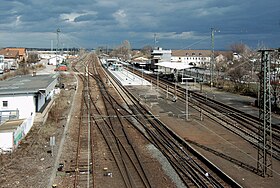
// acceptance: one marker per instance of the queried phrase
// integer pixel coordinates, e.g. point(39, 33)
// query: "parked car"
point(1, 71)
point(61, 68)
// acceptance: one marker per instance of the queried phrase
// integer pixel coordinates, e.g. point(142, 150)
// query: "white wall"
point(199, 61)
point(47, 56)
point(10, 139)
point(24, 103)
point(6, 141)
point(56, 60)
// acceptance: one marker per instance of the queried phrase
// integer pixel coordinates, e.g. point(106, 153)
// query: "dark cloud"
point(178, 23)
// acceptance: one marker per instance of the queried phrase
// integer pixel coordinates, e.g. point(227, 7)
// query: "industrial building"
point(20, 98)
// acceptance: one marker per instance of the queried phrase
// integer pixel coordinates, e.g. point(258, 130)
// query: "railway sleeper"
point(83, 170)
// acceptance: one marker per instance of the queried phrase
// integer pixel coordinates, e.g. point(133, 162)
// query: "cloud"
point(177, 23)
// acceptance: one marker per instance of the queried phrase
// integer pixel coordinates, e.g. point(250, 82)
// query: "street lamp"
point(142, 66)
point(157, 78)
point(187, 98)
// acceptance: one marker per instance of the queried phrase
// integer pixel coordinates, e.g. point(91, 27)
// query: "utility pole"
point(57, 46)
point(212, 57)
point(155, 40)
point(57, 35)
point(264, 164)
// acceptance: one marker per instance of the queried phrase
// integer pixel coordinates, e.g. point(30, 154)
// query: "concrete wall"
point(10, 139)
point(6, 141)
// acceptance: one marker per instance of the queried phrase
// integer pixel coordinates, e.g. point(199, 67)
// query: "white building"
point(56, 60)
point(21, 97)
point(198, 58)
point(160, 55)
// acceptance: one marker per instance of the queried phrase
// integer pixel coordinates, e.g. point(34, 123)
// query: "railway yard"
point(117, 130)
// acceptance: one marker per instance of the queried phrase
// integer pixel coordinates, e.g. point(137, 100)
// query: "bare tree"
point(32, 58)
point(123, 51)
point(146, 50)
point(243, 69)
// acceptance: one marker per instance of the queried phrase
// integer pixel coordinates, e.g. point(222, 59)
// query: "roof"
point(172, 65)
point(57, 57)
point(140, 59)
point(11, 125)
point(188, 53)
point(21, 51)
point(26, 84)
point(9, 54)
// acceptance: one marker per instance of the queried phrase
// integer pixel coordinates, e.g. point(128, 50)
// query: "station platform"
point(240, 102)
point(126, 78)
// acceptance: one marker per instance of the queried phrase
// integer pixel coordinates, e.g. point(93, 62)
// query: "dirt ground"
point(30, 165)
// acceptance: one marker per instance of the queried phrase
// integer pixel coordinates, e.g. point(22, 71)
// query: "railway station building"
point(21, 98)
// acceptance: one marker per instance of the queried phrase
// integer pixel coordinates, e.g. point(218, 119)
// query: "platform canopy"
point(140, 59)
point(174, 65)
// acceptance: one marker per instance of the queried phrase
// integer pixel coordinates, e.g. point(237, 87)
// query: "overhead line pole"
point(264, 164)
point(57, 45)
point(212, 58)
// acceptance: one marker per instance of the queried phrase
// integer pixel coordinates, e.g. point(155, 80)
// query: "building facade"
point(197, 58)
point(159, 55)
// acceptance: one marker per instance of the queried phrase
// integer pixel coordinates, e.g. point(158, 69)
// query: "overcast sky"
point(178, 24)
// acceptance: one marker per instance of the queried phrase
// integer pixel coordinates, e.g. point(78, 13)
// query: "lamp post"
point(187, 98)
point(157, 79)
point(142, 73)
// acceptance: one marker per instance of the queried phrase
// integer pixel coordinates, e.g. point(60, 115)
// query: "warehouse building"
point(20, 98)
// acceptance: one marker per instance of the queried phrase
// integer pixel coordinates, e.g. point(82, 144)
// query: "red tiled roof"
point(21, 51)
point(10, 54)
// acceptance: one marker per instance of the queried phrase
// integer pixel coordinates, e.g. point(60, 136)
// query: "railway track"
point(112, 113)
point(82, 168)
point(112, 127)
point(193, 170)
point(242, 124)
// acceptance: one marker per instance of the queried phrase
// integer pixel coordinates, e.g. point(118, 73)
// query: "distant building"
point(11, 57)
point(55, 60)
point(21, 97)
point(197, 58)
point(159, 55)
point(10, 53)
point(22, 53)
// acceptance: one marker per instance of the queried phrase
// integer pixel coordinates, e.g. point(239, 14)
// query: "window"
point(5, 103)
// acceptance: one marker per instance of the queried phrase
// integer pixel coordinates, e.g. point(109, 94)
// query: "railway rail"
point(112, 127)
point(117, 112)
point(191, 169)
point(242, 124)
point(82, 169)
